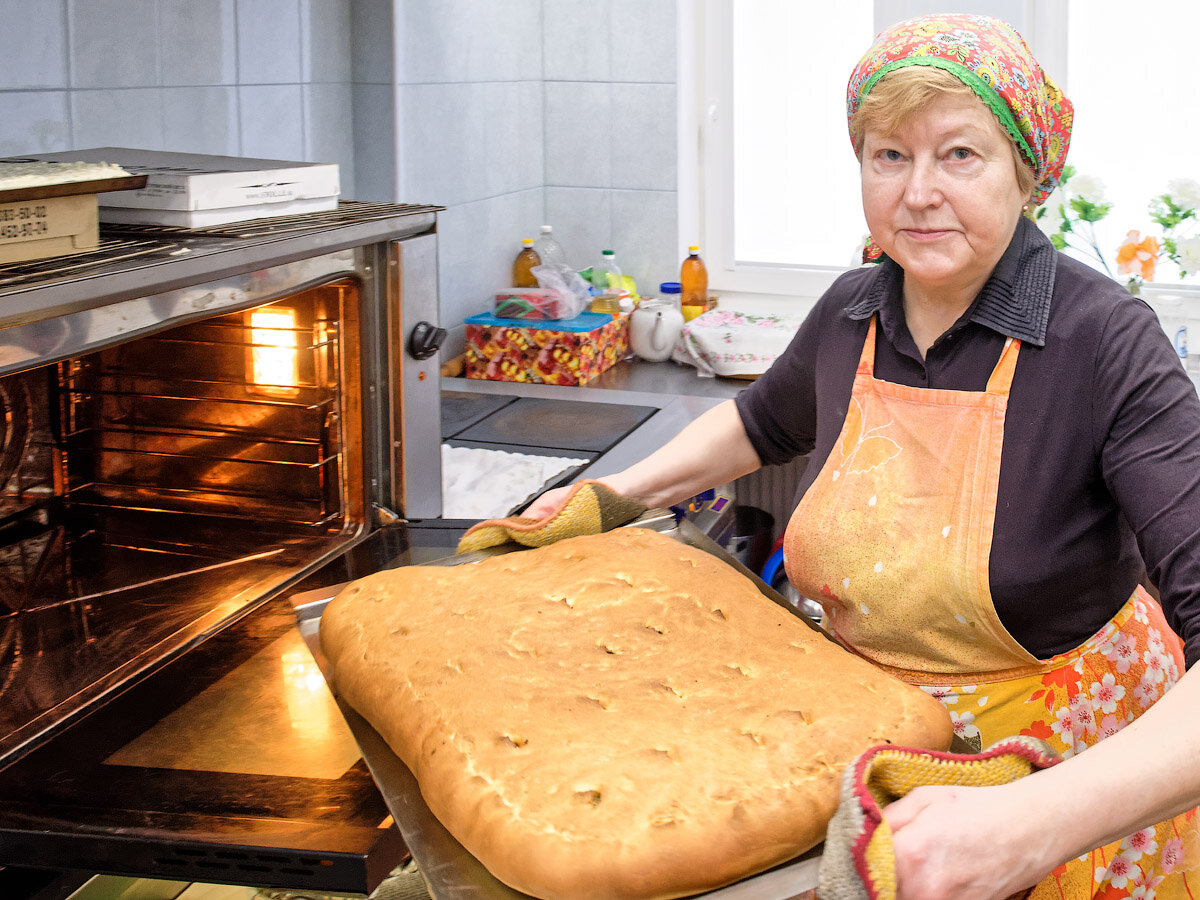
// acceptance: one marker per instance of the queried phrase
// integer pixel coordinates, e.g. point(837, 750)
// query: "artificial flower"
point(1137, 255)
point(1087, 187)
point(1188, 252)
point(1184, 192)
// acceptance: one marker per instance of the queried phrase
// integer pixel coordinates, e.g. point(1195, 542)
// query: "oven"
point(195, 423)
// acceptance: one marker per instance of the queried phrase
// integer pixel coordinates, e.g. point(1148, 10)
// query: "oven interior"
point(160, 486)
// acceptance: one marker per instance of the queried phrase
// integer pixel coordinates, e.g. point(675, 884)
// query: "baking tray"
point(70, 188)
point(450, 871)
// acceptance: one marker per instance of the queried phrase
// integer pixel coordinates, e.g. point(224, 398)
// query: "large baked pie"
point(614, 716)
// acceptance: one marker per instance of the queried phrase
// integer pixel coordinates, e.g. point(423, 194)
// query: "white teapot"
point(654, 326)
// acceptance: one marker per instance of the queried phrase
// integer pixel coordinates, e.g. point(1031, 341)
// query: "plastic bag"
point(576, 295)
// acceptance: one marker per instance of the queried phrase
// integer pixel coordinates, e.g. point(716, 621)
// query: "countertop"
point(677, 391)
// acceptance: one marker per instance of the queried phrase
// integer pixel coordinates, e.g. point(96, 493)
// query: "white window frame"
point(705, 84)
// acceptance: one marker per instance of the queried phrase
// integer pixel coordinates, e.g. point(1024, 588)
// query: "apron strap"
point(999, 382)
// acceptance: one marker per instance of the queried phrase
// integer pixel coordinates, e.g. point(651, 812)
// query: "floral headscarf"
point(989, 57)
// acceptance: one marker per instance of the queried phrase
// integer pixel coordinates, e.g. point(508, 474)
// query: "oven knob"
point(425, 339)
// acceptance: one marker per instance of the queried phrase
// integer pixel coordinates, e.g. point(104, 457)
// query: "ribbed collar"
point(1015, 301)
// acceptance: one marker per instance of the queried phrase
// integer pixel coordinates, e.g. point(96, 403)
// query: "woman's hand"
point(546, 505)
point(962, 843)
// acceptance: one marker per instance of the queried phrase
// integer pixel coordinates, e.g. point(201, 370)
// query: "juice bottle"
point(694, 277)
point(522, 273)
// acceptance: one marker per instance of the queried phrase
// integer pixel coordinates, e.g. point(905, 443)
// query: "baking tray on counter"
point(450, 871)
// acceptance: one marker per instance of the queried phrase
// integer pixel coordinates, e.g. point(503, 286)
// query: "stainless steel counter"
point(676, 391)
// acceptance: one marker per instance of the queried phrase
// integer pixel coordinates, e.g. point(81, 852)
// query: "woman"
point(998, 437)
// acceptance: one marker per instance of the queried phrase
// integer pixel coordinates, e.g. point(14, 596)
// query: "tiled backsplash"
point(509, 114)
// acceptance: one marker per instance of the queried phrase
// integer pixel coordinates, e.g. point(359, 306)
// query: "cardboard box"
point(195, 190)
point(36, 229)
point(555, 351)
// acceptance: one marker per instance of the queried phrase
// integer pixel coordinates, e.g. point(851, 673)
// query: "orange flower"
point(1137, 257)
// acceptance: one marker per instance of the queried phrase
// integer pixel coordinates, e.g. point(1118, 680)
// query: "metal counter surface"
point(678, 393)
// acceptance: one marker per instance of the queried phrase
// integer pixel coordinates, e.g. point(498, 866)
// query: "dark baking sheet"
point(557, 424)
point(70, 188)
point(450, 871)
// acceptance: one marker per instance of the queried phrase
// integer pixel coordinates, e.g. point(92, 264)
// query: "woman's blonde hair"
point(904, 92)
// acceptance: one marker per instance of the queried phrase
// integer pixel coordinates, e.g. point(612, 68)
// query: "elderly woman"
point(1002, 447)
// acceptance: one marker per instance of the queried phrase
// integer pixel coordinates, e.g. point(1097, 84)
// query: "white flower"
point(1184, 192)
point(1088, 187)
point(1189, 254)
point(1050, 217)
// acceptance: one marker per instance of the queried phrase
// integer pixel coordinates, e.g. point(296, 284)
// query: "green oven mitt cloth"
point(591, 508)
point(857, 862)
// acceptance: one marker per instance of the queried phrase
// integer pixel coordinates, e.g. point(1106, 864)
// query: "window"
point(769, 185)
point(1131, 76)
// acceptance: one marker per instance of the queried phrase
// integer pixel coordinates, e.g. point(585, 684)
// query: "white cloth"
point(724, 342)
point(486, 484)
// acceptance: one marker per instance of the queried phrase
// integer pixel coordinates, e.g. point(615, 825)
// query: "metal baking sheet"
point(70, 188)
point(450, 871)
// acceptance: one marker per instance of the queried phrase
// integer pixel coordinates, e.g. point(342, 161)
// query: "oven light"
point(274, 359)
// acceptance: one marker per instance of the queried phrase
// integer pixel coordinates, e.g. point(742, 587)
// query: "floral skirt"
point(1075, 700)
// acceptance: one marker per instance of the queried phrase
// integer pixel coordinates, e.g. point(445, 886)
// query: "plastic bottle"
point(606, 285)
point(522, 271)
point(606, 275)
point(694, 277)
point(549, 251)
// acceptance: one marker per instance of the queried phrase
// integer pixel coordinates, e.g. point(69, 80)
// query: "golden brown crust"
point(614, 716)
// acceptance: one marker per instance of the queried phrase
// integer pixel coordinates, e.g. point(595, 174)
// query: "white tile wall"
point(206, 32)
point(268, 41)
point(200, 120)
point(113, 43)
point(509, 114)
point(271, 120)
point(34, 122)
point(125, 117)
point(33, 55)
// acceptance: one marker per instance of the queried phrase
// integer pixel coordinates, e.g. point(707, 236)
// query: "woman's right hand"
point(546, 505)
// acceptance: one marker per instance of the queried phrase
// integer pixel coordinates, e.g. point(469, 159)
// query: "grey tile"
point(34, 122)
point(577, 40)
point(35, 54)
point(268, 45)
point(507, 41)
point(578, 125)
point(431, 45)
point(468, 40)
point(510, 155)
point(476, 246)
point(645, 227)
point(199, 42)
point(643, 144)
point(582, 220)
point(443, 139)
point(117, 118)
point(325, 48)
point(375, 176)
point(329, 129)
point(270, 120)
point(371, 37)
point(113, 43)
point(201, 120)
point(643, 40)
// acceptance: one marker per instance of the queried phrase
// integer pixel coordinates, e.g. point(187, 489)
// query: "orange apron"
point(893, 539)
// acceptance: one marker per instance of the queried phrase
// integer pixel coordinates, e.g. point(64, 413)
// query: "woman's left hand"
point(962, 843)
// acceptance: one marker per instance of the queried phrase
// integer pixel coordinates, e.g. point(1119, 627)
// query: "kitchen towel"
point(590, 508)
point(857, 861)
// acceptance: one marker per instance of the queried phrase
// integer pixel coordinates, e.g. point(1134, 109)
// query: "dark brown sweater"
point(1100, 467)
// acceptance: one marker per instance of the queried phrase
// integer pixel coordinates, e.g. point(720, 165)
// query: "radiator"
point(773, 489)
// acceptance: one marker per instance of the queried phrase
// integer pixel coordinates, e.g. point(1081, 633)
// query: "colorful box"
point(556, 351)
